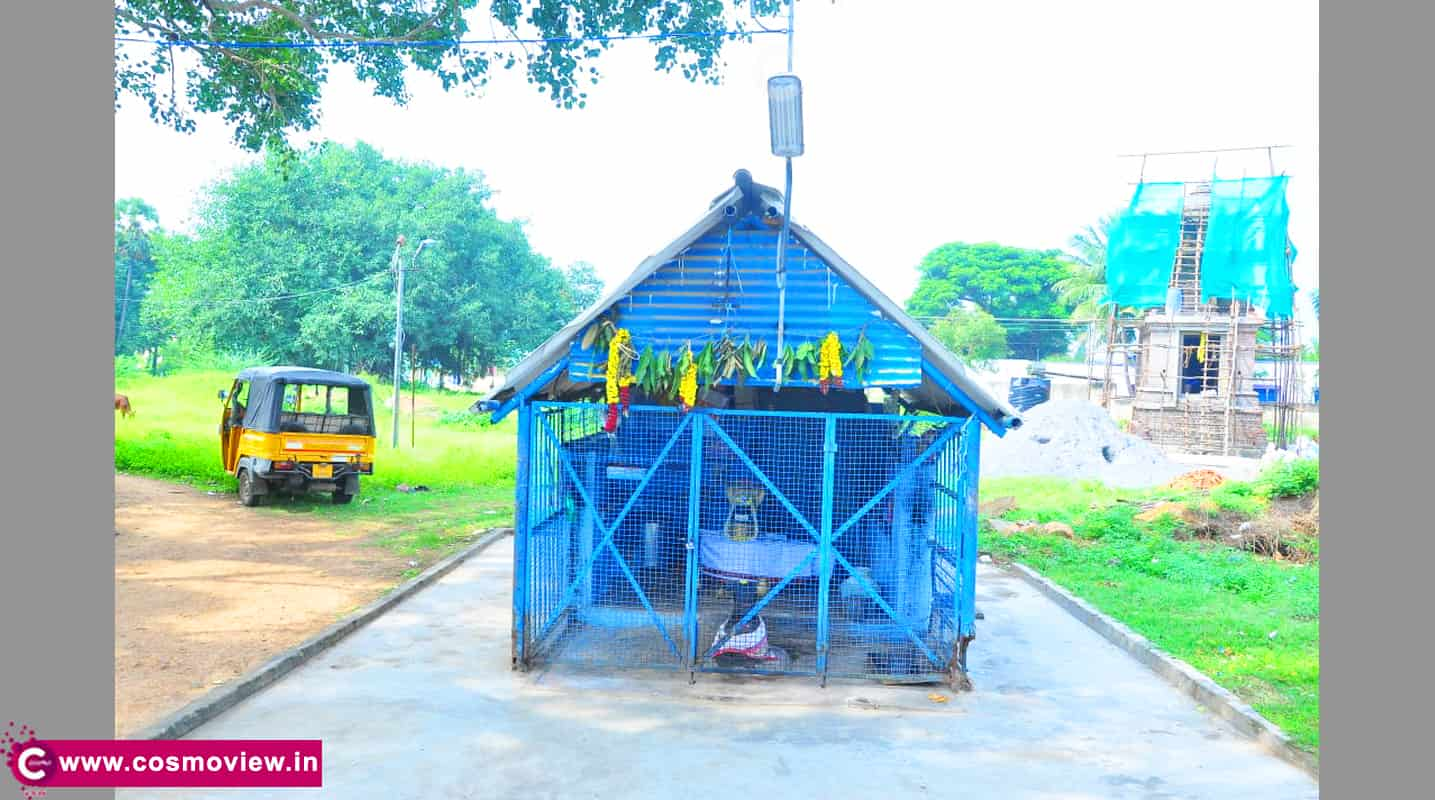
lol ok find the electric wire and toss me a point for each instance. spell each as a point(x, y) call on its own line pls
point(316, 44)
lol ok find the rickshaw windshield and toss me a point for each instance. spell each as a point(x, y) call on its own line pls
point(319, 408)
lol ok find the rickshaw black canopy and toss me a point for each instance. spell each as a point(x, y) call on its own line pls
point(265, 396)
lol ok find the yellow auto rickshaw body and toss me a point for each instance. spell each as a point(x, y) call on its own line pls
point(297, 429)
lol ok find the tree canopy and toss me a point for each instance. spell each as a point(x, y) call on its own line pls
point(1007, 282)
point(293, 261)
point(972, 334)
point(266, 93)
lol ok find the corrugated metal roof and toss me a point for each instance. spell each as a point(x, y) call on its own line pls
point(723, 284)
point(662, 301)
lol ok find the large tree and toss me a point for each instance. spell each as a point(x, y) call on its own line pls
point(1007, 282)
point(266, 93)
point(293, 260)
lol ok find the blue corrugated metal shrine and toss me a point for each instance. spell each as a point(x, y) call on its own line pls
point(765, 529)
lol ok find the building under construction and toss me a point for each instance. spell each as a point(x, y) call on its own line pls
point(1202, 339)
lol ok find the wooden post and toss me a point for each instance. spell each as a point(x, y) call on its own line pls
point(1110, 348)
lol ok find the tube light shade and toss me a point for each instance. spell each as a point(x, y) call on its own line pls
point(784, 106)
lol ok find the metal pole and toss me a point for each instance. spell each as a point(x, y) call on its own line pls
point(791, 11)
point(782, 237)
point(782, 275)
point(413, 389)
point(398, 336)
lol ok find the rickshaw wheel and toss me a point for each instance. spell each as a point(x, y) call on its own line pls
point(247, 495)
point(340, 498)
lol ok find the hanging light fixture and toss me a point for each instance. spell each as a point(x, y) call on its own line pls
point(784, 107)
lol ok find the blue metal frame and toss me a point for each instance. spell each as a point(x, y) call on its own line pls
point(520, 542)
point(718, 412)
point(690, 565)
point(824, 586)
point(971, 447)
point(954, 451)
point(965, 399)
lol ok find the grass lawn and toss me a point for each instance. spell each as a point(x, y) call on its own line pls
point(467, 464)
point(1250, 622)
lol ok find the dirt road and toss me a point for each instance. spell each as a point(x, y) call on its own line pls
point(206, 590)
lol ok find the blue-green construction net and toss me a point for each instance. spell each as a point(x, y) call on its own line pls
point(1247, 254)
point(1142, 246)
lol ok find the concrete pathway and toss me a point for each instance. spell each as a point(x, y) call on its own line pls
point(422, 704)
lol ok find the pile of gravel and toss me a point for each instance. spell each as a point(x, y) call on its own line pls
point(1078, 440)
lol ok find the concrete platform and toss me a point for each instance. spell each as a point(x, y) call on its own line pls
point(422, 704)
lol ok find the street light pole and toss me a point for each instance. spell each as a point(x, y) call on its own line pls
point(399, 324)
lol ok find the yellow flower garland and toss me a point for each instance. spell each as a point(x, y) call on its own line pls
point(617, 374)
point(829, 360)
point(688, 387)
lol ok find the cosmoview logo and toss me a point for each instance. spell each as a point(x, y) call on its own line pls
point(31, 761)
point(35, 762)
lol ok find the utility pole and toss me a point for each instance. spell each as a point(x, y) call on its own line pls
point(413, 389)
point(399, 323)
point(398, 266)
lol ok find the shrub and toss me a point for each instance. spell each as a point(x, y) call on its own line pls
point(1113, 524)
point(1241, 498)
point(1291, 478)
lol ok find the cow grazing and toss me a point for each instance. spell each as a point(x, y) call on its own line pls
point(122, 405)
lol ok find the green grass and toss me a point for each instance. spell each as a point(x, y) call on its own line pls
point(468, 464)
point(1210, 605)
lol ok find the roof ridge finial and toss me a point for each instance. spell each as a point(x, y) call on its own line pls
point(743, 179)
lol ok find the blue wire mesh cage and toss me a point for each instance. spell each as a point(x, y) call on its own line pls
point(746, 541)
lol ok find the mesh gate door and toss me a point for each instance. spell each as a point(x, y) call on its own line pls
point(604, 559)
point(760, 543)
point(898, 545)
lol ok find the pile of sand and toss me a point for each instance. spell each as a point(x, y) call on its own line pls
point(1079, 440)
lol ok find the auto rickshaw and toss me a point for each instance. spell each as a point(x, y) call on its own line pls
point(297, 429)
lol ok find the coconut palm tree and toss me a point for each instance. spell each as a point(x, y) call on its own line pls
point(1085, 288)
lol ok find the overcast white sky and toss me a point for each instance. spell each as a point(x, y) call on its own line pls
point(926, 122)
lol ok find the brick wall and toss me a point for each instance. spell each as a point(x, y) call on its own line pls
point(1200, 432)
